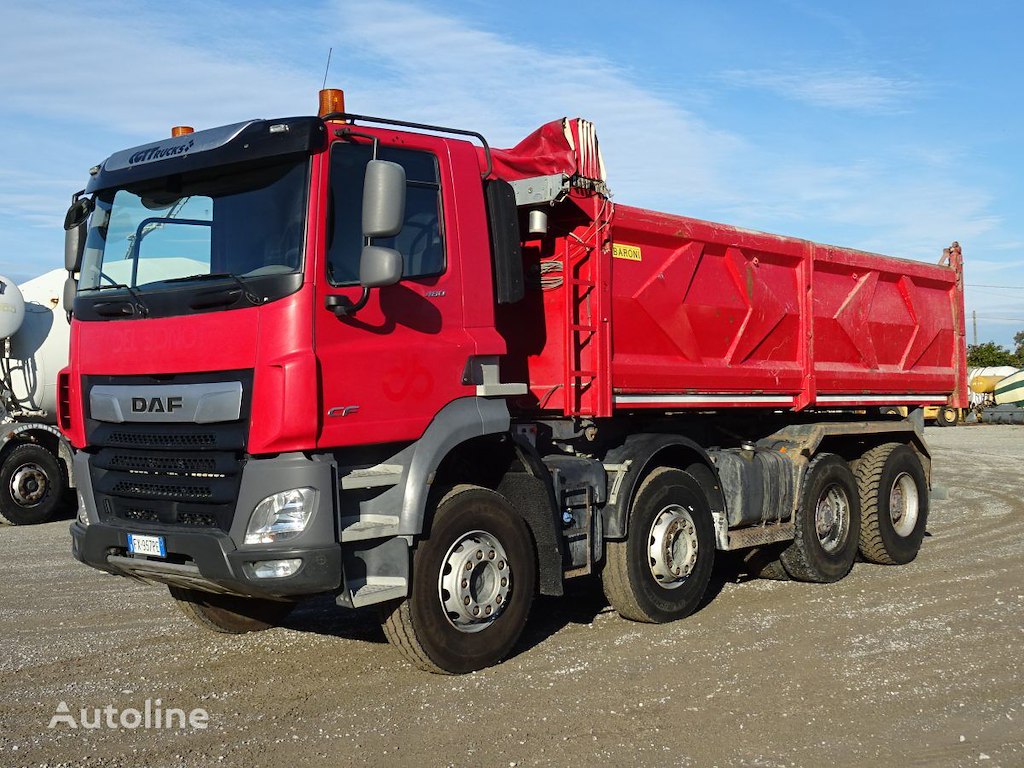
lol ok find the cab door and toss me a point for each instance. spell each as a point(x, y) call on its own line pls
point(387, 369)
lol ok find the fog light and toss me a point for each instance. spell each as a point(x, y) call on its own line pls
point(275, 569)
point(83, 515)
point(281, 516)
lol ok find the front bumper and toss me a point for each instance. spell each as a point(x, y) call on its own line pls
point(215, 560)
point(207, 562)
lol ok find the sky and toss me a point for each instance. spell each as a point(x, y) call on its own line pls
point(891, 127)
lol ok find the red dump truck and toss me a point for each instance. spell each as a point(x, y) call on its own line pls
point(382, 360)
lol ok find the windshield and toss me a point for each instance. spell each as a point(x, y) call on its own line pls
point(243, 223)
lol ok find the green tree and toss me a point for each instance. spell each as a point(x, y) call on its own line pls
point(1018, 342)
point(991, 354)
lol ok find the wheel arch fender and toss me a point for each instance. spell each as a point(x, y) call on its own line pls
point(509, 466)
point(645, 452)
point(458, 422)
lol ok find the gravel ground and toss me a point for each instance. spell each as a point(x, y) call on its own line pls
point(918, 665)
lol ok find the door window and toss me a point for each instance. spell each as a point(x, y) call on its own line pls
point(421, 240)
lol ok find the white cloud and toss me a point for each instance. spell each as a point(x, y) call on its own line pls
point(438, 68)
point(126, 69)
point(849, 90)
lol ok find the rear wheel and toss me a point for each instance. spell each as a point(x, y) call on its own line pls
point(827, 523)
point(230, 614)
point(473, 582)
point(660, 572)
point(32, 485)
point(894, 494)
point(947, 416)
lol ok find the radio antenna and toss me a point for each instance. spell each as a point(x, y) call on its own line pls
point(327, 69)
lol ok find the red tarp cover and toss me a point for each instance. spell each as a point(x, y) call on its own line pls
point(566, 146)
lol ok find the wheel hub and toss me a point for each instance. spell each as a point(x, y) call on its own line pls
point(475, 581)
point(832, 518)
point(672, 546)
point(29, 485)
point(903, 504)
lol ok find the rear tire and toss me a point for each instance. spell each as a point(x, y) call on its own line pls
point(32, 485)
point(230, 614)
point(473, 582)
point(894, 498)
point(662, 569)
point(827, 524)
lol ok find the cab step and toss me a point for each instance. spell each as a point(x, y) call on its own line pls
point(368, 527)
point(379, 589)
point(379, 476)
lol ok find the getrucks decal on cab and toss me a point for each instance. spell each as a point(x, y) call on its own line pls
point(159, 153)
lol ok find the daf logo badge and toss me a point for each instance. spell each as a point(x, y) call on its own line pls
point(156, 404)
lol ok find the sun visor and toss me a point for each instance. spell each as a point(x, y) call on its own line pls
point(228, 144)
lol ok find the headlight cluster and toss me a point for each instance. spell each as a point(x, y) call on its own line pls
point(281, 516)
point(83, 514)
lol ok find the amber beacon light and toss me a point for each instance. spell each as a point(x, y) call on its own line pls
point(181, 130)
point(331, 100)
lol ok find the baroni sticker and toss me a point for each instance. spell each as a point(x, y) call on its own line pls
point(627, 252)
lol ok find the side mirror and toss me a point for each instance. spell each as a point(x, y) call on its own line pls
point(379, 266)
point(74, 247)
point(383, 199)
point(70, 289)
point(79, 211)
point(75, 230)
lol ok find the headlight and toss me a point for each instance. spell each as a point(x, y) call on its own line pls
point(83, 515)
point(281, 516)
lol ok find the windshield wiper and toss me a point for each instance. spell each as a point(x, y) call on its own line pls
point(137, 302)
point(204, 276)
point(249, 295)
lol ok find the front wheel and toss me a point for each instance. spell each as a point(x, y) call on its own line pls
point(32, 485)
point(473, 580)
point(230, 614)
point(827, 524)
point(660, 572)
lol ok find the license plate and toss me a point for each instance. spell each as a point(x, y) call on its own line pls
point(146, 545)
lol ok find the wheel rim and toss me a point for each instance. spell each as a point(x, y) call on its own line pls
point(903, 504)
point(672, 546)
point(832, 518)
point(475, 581)
point(29, 485)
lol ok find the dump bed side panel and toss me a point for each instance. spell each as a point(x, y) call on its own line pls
point(884, 327)
point(706, 314)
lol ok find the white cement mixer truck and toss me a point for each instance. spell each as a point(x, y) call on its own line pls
point(35, 460)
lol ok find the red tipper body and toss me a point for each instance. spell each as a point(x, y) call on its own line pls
point(652, 310)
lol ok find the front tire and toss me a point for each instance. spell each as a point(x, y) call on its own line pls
point(827, 524)
point(230, 614)
point(32, 485)
point(660, 572)
point(894, 494)
point(474, 578)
